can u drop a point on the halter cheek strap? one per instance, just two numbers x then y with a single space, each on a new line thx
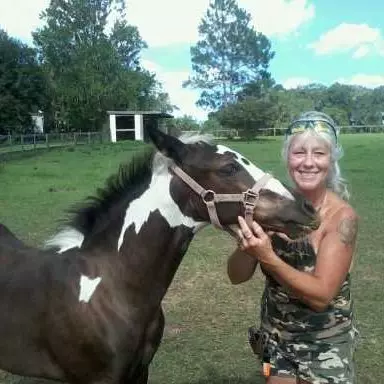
249 198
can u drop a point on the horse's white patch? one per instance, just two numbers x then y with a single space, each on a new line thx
157 196
273 184
88 287
66 239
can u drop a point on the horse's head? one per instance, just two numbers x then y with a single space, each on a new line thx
211 182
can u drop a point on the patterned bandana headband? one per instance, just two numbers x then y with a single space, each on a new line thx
317 124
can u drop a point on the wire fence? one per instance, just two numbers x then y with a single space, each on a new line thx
25 142
280 131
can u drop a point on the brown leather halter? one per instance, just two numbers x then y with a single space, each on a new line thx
249 198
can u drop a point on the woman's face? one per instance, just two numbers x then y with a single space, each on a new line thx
309 160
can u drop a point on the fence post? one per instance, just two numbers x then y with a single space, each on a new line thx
46 140
74 138
89 137
34 141
22 142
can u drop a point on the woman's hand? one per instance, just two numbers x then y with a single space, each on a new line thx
255 241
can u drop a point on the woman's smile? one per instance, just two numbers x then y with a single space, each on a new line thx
308 162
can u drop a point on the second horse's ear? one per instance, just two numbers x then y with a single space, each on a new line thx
168 145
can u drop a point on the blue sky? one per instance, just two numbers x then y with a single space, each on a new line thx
321 41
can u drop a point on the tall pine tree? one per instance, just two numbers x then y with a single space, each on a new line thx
229 54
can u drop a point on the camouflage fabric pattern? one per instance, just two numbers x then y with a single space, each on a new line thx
318 346
325 361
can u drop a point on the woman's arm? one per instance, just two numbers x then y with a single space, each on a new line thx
318 288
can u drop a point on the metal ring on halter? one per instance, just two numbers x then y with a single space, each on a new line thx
208 196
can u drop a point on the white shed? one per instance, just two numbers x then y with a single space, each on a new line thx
132 125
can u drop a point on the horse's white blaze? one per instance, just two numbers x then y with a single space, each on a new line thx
66 239
88 287
156 197
273 184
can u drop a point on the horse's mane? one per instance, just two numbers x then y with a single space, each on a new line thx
93 215
86 216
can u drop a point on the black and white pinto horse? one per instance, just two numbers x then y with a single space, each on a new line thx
88 310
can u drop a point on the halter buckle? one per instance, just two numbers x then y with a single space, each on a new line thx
250 198
208 196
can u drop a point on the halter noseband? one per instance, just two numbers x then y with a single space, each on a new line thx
210 198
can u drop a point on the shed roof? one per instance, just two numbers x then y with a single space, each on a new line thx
158 114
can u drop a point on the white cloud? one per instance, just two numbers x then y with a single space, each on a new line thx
279 17
19 17
360 52
184 99
174 21
166 22
169 21
360 39
369 81
294 82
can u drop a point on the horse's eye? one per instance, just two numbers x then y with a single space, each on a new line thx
230 169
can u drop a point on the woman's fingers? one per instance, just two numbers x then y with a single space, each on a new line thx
254 240
245 230
257 230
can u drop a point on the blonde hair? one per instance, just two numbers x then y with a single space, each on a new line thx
334 181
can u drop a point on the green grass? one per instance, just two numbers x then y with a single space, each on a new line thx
207 318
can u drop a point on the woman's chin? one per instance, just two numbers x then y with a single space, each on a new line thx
308 185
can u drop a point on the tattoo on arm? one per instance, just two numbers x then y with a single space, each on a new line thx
348 231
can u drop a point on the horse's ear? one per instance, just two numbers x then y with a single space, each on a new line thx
168 145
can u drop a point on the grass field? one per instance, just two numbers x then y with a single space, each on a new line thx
206 317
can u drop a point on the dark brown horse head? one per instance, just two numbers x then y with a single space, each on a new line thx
219 171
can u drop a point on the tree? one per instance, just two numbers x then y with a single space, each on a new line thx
89 69
128 44
258 88
182 124
229 54
212 125
249 115
22 85
369 106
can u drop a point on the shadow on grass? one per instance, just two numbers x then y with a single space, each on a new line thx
213 376
7 378
226 380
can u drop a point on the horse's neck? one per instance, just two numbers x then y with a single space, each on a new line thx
141 216
151 260
154 235
149 238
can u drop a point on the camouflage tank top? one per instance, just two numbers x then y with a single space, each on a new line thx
282 313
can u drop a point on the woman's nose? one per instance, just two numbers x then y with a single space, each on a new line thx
308 160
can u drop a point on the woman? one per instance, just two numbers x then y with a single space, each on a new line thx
307 327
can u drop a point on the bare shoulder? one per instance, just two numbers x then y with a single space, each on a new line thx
343 220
